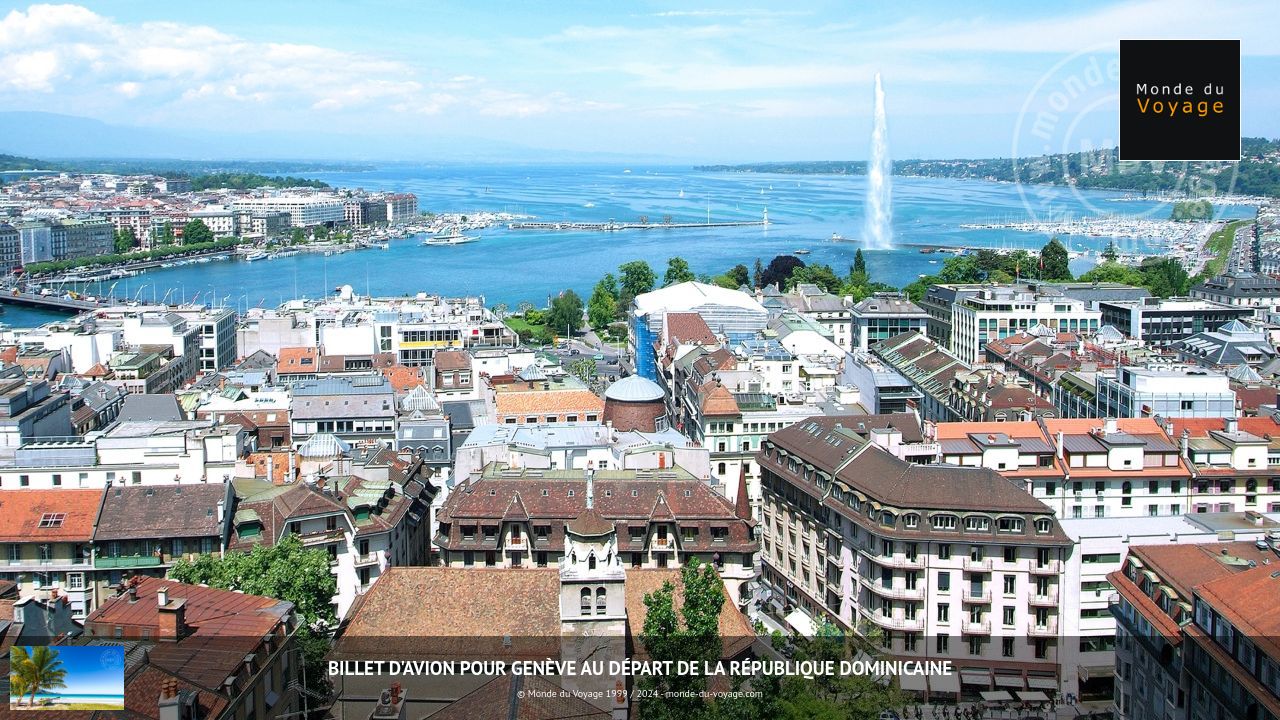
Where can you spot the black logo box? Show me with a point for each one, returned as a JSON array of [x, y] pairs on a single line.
[[1186, 65]]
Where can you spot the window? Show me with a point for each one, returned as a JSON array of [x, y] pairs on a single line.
[[585, 602], [1011, 525], [1008, 616], [975, 523], [490, 558], [57, 480], [941, 645], [1006, 646], [51, 520], [944, 582], [944, 551], [944, 613], [1010, 585], [1010, 554]]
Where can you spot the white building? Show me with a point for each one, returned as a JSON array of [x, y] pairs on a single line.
[[997, 312], [304, 210], [1164, 390]]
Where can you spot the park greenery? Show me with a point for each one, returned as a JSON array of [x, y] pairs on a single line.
[[288, 571], [1192, 210], [160, 252], [249, 181]]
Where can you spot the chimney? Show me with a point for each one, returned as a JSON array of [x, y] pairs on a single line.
[[133, 595], [391, 704], [173, 620], [1232, 424], [222, 510], [162, 595], [1185, 443], [591, 486], [171, 705], [1110, 426], [1058, 450]]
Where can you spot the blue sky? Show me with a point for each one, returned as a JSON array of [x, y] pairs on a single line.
[[688, 80], [91, 670]]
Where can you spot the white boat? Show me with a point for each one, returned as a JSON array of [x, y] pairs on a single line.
[[802, 252], [255, 255], [589, 205], [452, 238], [836, 237]]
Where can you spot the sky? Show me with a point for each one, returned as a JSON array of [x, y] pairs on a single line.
[[730, 81], [91, 669]]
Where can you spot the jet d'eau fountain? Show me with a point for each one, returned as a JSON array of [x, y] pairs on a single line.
[[877, 232]]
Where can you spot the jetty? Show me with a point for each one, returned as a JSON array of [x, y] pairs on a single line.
[[614, 226]]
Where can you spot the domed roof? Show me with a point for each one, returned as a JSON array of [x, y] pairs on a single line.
[[634, 389], [323, 445]]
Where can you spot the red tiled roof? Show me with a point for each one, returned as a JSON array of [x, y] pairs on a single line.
[[452, 360], [61, 514], [402, 378], [297, 360], [1200, 427], [685, 328]]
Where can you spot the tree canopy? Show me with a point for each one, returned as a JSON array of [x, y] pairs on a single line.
[[602, 308], [1054, 261], [779, 271], [677, 272], [196, 232], [565, 313]]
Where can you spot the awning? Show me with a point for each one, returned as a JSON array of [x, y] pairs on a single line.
[[914, 683], [1032, 696], [1044, 683], [975, 677], [1014, 681], [996, 696], [945, 683], [801, 623]]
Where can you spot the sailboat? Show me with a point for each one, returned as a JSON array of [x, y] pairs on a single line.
[[681, 192]]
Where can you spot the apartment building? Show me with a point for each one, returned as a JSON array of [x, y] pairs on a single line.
[[30, 410], [1195, 629], [1163, 321], [930, 368], [10, 248], [946, 561], [366, 523], [1255, 291], [1235, 463], [517, 517], [882, 316], [131, 452], [401, 207], [996, 312], [304, 210], [815, 304], [352, 408], [47, 537], [205, 653]]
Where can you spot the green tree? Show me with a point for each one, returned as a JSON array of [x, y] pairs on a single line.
[[166, 235], [677, 272], [38, 669], [821, 275], [297, 236], [859, 262], [196, 232], [739, 275], [602, 308], [637, 278], [757, 274], [584, 368], [779, 271], [1165, 277], [835, 696], [565, 313], [1054, 261], [501, 310], [125, 240], [696, 639], [1111, 254], [286, 571]]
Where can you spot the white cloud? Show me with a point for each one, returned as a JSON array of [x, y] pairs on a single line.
[[29, 71], [129, 89]]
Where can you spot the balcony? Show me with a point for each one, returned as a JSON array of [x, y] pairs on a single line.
[[893, 561], [368, 559], [897, 623], [663, 544], [324, 537], [517, 543], [977, 596], [1043, 600], [982, 627], [1052, 567], [1048, 628], [50, 564], [896, 593], [972, 565], [128, 561]]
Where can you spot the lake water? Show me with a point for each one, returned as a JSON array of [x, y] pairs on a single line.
[[515, 265]]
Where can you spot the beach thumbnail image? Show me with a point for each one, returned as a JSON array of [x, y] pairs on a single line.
[[44, 677]]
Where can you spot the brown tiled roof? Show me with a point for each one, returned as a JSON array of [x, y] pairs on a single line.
[[143, 689], [457, 612], [279, 467], [452, 360], [549, 402], [520, 697], [160, 512], [687, 328], [717, 400], [1183, 566], [98, 371], [1248, 600], [588, 524], [224, 626], [23, 512], [402, 378], [736, 633], [297, 360]]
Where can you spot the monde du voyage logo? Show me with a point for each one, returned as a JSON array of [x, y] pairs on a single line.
[[1180, 100]]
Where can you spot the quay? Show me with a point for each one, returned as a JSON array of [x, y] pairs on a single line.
[[612, 226]]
